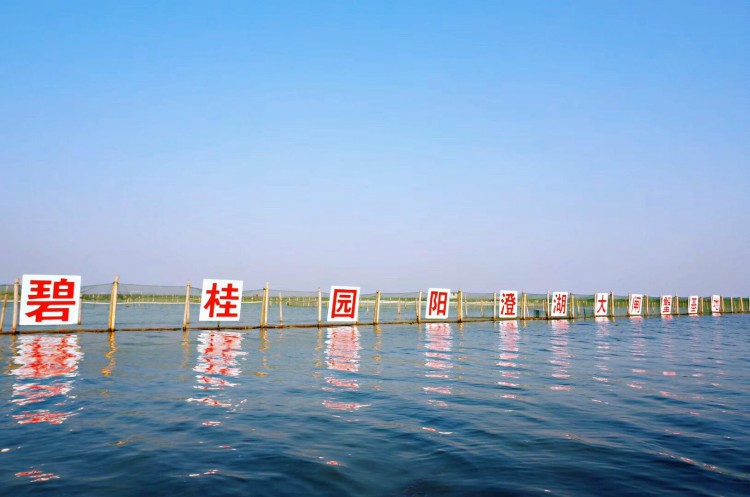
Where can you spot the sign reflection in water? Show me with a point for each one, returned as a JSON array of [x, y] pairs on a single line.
[[509, 370], [560, 355], [46, 366], [439, 343], [342, 355], [217, 360], [602, 350]]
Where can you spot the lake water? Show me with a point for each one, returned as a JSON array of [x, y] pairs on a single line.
[[631, 407]]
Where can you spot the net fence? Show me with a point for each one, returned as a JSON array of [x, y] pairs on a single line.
[[174, 307]]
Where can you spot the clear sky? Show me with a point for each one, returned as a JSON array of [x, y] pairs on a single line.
[[582, 146]]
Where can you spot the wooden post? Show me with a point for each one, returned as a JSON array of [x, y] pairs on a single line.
[[572, 305], [2, 313], [546, 308], [524, 306], [731, 304], [376, 312], [611, 304], [264, 308], [113, 305], [419, 307], [14, 323], [281, 309], [320, 308], [398, 309], [80, 311], [186, 311], [494, 306], [460, 305]]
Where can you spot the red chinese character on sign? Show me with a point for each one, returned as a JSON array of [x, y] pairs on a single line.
[[49, 300], [508, 302], [666, 305], [226, 298], [636, 305], [438, 305], [602, 305], [560, 304], [343, 303], [693, 305]]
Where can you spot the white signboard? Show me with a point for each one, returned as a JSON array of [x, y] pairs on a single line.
[[666, 305], [343, 304], [716, 303], [438, 303], [559, 305], [48, 299], [508, 304], [693, 303], [221, 300], [601, 305], [635, 304]]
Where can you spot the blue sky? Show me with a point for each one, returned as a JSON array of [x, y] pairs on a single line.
[[585, 146]]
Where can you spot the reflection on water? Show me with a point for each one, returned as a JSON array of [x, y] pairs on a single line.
[[560, 356], [639, 353], [508, 346], [342, 359], [439, 343], [217, 360], [308, 433], [602, 350], [46, 366], [110, 355]]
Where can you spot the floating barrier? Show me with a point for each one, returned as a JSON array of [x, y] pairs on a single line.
[[60, 303]]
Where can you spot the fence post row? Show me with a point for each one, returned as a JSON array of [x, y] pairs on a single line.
[[461, 306]]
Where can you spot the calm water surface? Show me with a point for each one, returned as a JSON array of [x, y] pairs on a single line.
[[632, 407]]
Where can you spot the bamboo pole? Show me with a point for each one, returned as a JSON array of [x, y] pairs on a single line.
[[419, 307], [264, 308], [320, 308], [612, 304], [572, 305], [281, 309], [376, 312], [731, 304], [14, 323], [113, 305], [2, 313], [398, 309], [524, 306], [546, 308], [80, 311], [186, 311], [494, 306], [460, 304]]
